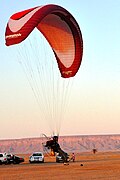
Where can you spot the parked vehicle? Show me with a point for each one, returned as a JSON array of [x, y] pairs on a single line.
[[59, 158], [13, 159], [36, 157], [3, 158], [7, 158]]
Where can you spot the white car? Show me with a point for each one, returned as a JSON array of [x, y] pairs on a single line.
[[36, 157], [3, 158]]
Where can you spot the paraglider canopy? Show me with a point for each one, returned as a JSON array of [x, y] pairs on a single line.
[[60, 29]]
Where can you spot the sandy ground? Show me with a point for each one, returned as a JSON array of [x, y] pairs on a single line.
[[97, 166]]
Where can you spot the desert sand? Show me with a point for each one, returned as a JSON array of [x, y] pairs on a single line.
[[87, 166]]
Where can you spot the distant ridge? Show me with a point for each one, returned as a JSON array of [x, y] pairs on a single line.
[[80, 143]]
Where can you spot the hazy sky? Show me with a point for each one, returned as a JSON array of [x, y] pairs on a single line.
[[94, 100]]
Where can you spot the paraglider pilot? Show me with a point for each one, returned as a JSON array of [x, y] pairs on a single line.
[[54, 145]]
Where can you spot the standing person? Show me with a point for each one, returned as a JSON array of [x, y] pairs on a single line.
[[73, 157]]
